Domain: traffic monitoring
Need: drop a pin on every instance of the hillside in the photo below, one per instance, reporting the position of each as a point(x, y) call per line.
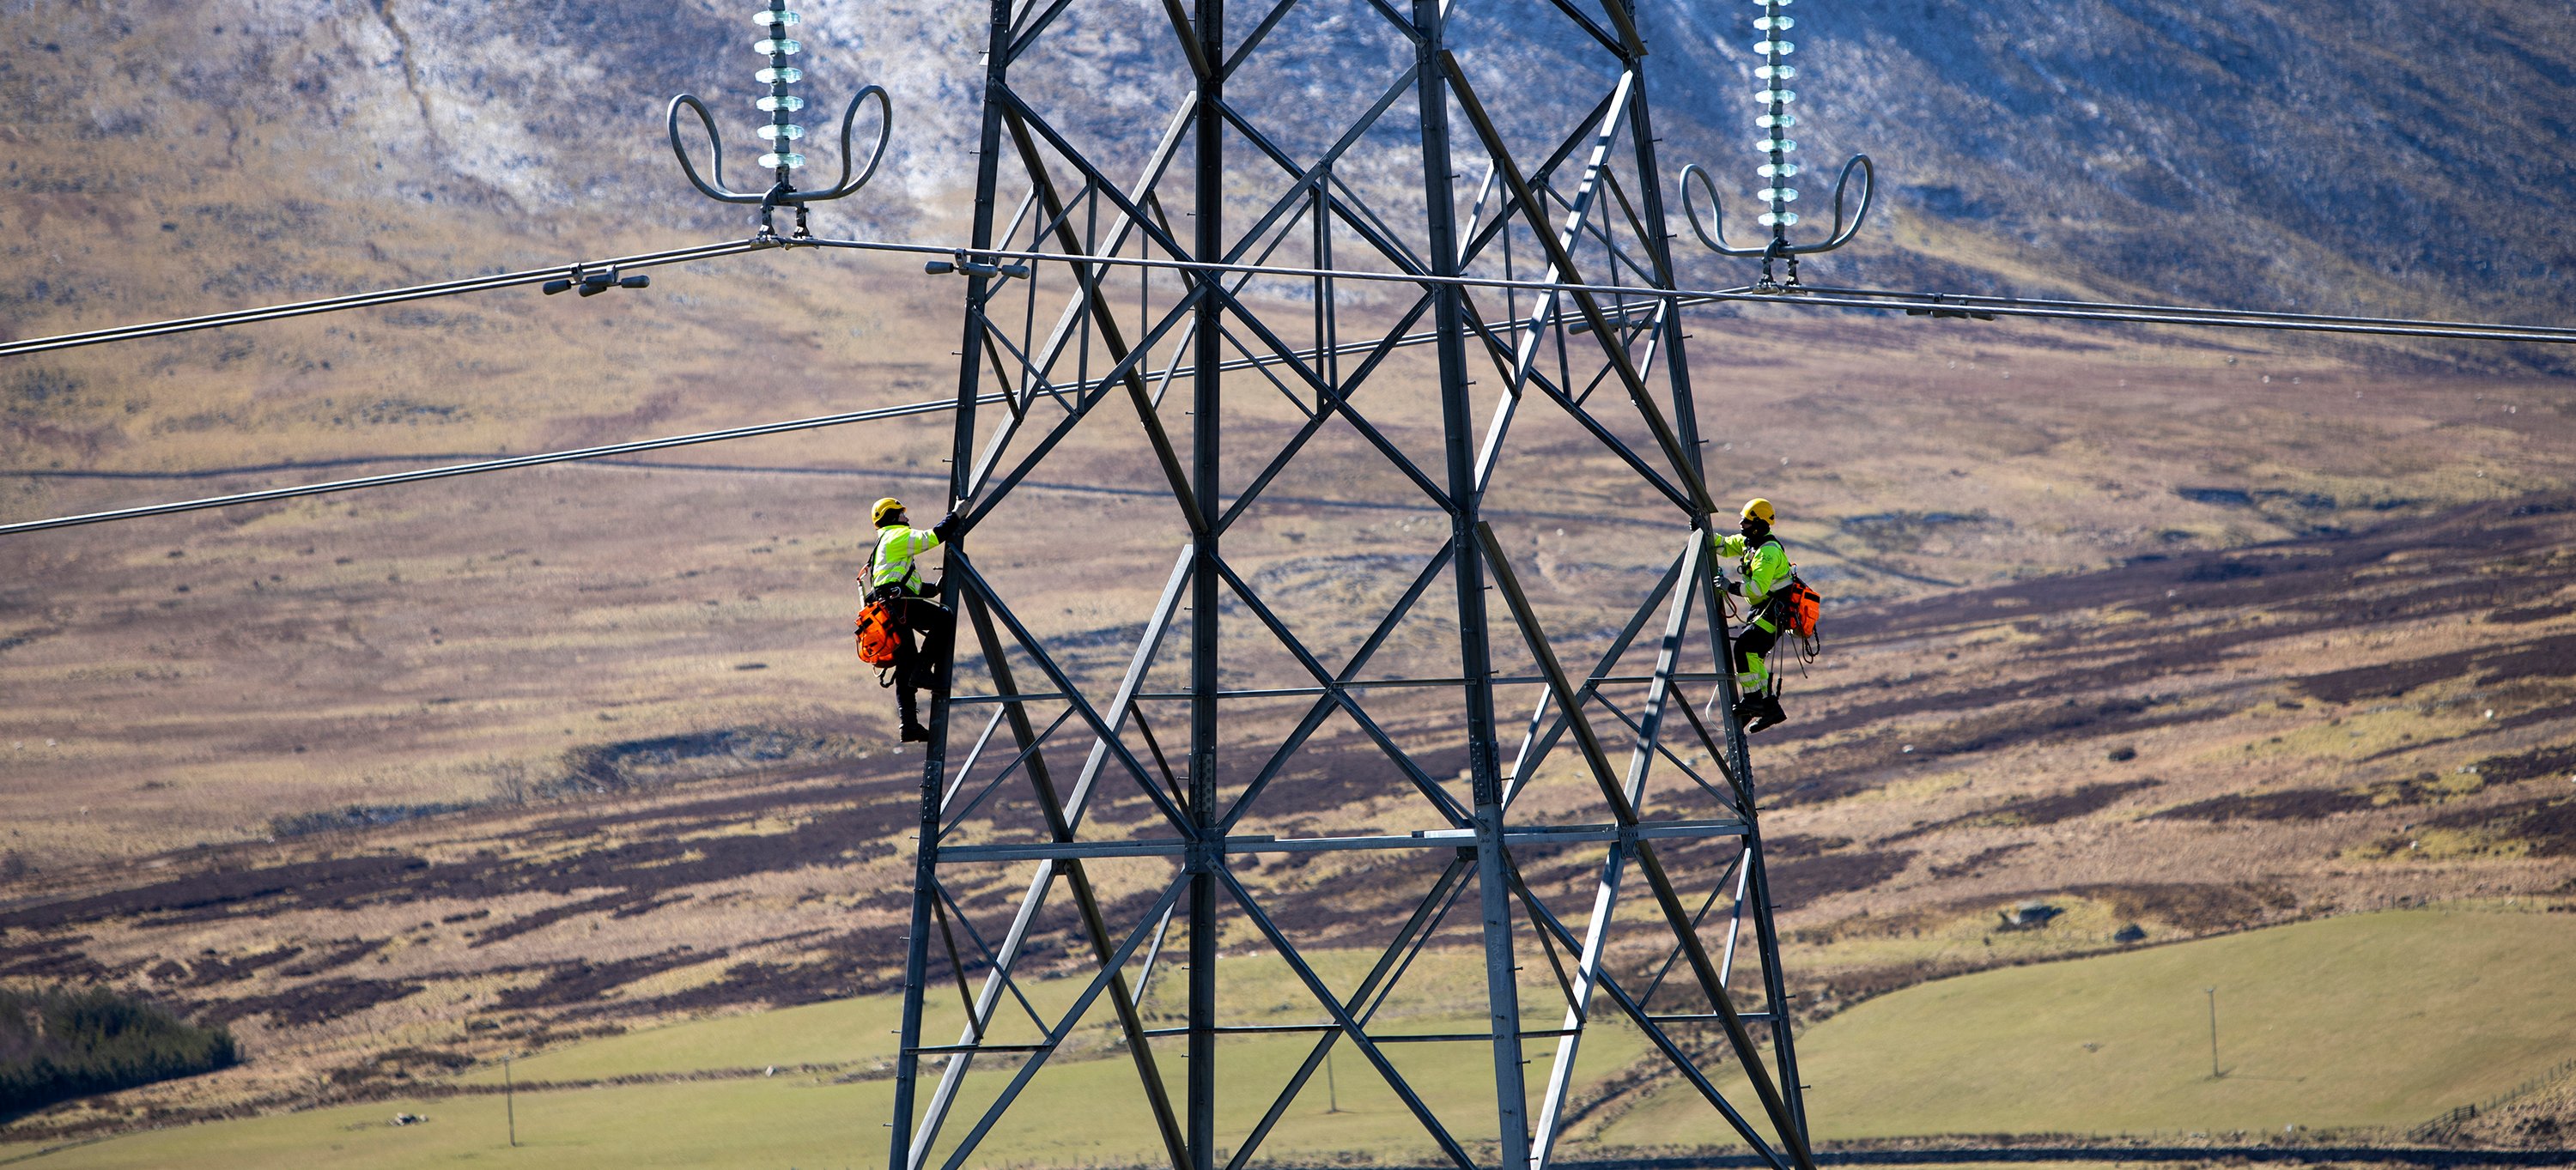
point(2190, 634)
point(2367, 1021)
point(2189, 744)
point(2308, 155)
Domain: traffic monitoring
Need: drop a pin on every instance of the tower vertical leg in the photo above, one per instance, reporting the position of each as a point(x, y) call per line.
point(1207, 405)
point(1658, 245)
point(1475, 656)
point(901, 1154)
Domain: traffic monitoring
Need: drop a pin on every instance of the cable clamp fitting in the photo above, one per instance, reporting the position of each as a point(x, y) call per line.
point(960, 261)
point(1935, 311)
point(594, 282)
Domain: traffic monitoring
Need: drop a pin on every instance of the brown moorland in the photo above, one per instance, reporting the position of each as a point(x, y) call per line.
point(2186, 633)
point(541, 796)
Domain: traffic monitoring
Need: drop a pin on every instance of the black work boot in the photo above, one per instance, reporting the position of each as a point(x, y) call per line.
point(913, 731)
point(1766, 714)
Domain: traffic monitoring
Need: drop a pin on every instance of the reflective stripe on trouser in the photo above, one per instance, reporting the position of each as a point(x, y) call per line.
point(1752, 646)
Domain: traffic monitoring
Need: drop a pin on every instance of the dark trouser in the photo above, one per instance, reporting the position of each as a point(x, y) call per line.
point(922, 664)
point(1752, 666)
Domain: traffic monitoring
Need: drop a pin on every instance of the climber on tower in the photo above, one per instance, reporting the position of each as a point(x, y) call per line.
point(1762, 581)
point(894, 577)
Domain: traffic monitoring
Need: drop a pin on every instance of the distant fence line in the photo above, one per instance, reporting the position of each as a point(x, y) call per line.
point(2467, 1112)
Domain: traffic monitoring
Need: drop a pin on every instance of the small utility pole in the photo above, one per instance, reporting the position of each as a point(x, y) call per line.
point(510, 1102)
point(1332, 1095)
point(2214, 1074)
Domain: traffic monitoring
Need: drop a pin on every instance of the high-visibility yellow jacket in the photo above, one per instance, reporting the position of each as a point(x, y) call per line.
point(893, 564)
point(1762, 571)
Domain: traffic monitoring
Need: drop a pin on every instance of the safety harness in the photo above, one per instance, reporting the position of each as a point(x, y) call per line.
point(1795, 608)
point(880, 637)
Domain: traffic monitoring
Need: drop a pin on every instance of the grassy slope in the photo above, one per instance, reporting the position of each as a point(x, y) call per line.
point(2363, 1020)
point(2372, 1019)
point(1082, 1106)
point(1073, 1116)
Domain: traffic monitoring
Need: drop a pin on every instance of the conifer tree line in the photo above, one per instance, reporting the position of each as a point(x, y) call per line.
point(60, 1043)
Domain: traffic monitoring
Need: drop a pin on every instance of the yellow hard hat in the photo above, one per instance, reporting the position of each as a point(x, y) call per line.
point(884, 508)
point(1757, 508)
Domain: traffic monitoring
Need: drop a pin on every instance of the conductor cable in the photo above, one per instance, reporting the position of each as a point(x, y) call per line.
point(574, 273)
point(477, 468)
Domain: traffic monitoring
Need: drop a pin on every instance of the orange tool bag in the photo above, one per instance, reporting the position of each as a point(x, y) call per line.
point(1801, 607)
point(1804, 607)
point(878, 640)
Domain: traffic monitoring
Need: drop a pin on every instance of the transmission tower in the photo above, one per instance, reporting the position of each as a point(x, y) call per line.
point(1166, 782)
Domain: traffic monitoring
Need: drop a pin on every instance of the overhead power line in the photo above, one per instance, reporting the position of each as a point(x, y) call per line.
point(1884, 300)
point(819, 422)
point(573, 272)
point(507, 464)
point(1880, 300)
point(1877, 300)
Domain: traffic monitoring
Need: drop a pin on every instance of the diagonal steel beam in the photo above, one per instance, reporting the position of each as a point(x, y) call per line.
point(1475, 648)
point(1178, 818)
point(1667, 663)
point(1200, 66)
point(1041, 881)
point(1078, 880)
point(1366, 998)
point(1535, 746)
point(1342, 1019)
point(925, 878)
point(1260, 32)
point(983, 1016)
point(1583, 297)
point(1497, 229)
point(1651, 869)
point(1681, 1060)
point(1317, 177)
point(1064, 1026)
point(953, 813)
point(1024, 31)
point(1587, 24)
point(991, 492)
point(1102, 317)
point(1315, 424)
point(1325, 704)
point(1157, 163)
point(1637, 727)
point(1123, 703)
point(1132, 210)
point(1422, 781)
point(1610, 440)
point(1726, 961)
point(1596, 936)
point(1524, 355)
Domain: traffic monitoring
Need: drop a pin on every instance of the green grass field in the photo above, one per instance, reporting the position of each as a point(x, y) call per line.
point(2367, 1020)
point(1074, 1111)
point(1082, 1106)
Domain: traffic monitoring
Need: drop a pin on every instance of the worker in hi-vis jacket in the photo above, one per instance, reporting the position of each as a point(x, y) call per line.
point(894, 577)
point(1762, 581)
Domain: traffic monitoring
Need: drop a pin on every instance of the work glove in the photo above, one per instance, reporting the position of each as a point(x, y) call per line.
point(946, 529)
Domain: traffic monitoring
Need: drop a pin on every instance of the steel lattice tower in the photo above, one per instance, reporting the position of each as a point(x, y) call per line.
point(1170, 781)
